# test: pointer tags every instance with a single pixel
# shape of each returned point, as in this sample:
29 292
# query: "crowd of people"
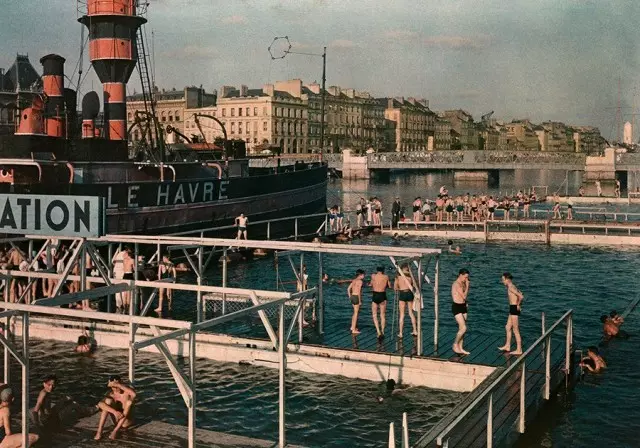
470 207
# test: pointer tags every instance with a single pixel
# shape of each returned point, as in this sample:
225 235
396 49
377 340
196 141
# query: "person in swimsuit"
452 250
598 188
354 292
556 211
379 284
569 212
581 191
439 209
593 362
403 284
396 208
473 204
119 404
459 293
449 210
127 268
617 189
166 269
526 206
609 327
506 205
515 297
7 438
241 222
491 208
459 209
417 205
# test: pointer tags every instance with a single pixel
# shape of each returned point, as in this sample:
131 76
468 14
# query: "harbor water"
325 411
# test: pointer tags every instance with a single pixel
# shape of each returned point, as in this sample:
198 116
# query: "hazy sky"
538 59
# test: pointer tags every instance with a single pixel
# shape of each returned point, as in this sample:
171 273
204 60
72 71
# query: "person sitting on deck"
593 362
119 404
47 415
456 251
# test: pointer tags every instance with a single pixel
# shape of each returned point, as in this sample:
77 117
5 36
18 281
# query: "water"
338 412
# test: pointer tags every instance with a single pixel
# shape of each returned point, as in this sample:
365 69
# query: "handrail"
266 221
485 393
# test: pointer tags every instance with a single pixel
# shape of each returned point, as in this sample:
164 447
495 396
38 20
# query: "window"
289 113
170 117
233 127
177 117
247 126
239 128
239 111
247 112
255 111
130 116
224 112
264 111
264 125
233 111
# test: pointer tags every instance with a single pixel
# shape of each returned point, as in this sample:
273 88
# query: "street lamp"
324 78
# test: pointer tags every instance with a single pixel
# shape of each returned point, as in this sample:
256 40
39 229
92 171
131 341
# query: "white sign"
72 216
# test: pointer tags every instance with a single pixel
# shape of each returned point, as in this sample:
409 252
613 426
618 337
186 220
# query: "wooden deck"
150 434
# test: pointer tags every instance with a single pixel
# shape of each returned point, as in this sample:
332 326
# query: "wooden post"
490 423
547 368
547 232
392 436
523 384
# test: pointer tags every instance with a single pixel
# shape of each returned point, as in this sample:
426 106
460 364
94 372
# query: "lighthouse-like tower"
113 25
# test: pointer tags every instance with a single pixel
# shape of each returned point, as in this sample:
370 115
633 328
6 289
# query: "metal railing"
590 213
519 367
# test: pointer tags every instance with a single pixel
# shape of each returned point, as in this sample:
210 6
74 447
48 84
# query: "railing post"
320 295
490 423
392 436
281 379
405 431
269 230
547 368
436 304
523 383
25 380
568 343
224 281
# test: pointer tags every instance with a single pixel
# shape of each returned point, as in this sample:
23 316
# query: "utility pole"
324 80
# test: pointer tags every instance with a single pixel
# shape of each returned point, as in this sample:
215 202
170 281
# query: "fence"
500 412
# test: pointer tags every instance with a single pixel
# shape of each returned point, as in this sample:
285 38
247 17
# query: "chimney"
268 89
90 110
314 87
53 88
424 102
226 90
244 90
351 93
334 90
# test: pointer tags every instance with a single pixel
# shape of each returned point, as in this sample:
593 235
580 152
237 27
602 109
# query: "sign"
71 216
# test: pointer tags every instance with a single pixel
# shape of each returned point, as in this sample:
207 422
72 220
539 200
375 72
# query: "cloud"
193 51
235 20
342 43
456 42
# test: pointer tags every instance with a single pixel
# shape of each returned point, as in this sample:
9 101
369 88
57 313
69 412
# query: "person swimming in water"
452 250
609 328
593 362
333 281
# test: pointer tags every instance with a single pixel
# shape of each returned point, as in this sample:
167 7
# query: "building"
18 85
414 123
521 136
261 117
442 135
462 122
588 139
488 138
171 107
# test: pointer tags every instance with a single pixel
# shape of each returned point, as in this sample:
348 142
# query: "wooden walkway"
150 434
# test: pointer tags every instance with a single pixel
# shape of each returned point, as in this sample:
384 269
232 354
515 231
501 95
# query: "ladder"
148 96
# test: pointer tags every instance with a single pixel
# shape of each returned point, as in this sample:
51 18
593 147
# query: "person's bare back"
380 282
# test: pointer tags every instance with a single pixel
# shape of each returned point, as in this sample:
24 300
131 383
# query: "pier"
275 338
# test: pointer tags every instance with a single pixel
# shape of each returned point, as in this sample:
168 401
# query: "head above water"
613 313
462 272
391 385
6 395
593 349
450 242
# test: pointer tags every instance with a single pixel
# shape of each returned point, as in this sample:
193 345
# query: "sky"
564 60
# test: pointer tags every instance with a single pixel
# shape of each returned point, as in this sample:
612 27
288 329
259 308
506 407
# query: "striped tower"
113 25
53 88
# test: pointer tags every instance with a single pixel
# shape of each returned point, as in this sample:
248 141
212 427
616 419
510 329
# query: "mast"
324 80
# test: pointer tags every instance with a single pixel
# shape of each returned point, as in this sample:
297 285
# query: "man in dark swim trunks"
379 284
459 293
515 300
354 292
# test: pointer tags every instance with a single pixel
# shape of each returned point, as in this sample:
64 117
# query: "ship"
54 150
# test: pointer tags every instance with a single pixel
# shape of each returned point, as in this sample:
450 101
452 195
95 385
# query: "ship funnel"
53 88
90 110
113 25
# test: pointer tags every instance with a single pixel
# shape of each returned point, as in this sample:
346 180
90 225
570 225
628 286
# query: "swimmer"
514 296
609 328
84 344
459 293
403 285
593 362
616 318
331 280
456 251
354 293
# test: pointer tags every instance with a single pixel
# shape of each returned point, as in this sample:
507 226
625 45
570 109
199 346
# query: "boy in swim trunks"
119 404
403 284
379 284
354 292
241 222
515 300
459 293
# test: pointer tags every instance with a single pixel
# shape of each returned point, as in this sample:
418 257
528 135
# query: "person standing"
395 213
403 284
166 270
354 292
515 297
379 284
417 205
459 293
241 223
598 188
617 188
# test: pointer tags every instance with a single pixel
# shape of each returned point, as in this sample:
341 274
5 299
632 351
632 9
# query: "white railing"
486 396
